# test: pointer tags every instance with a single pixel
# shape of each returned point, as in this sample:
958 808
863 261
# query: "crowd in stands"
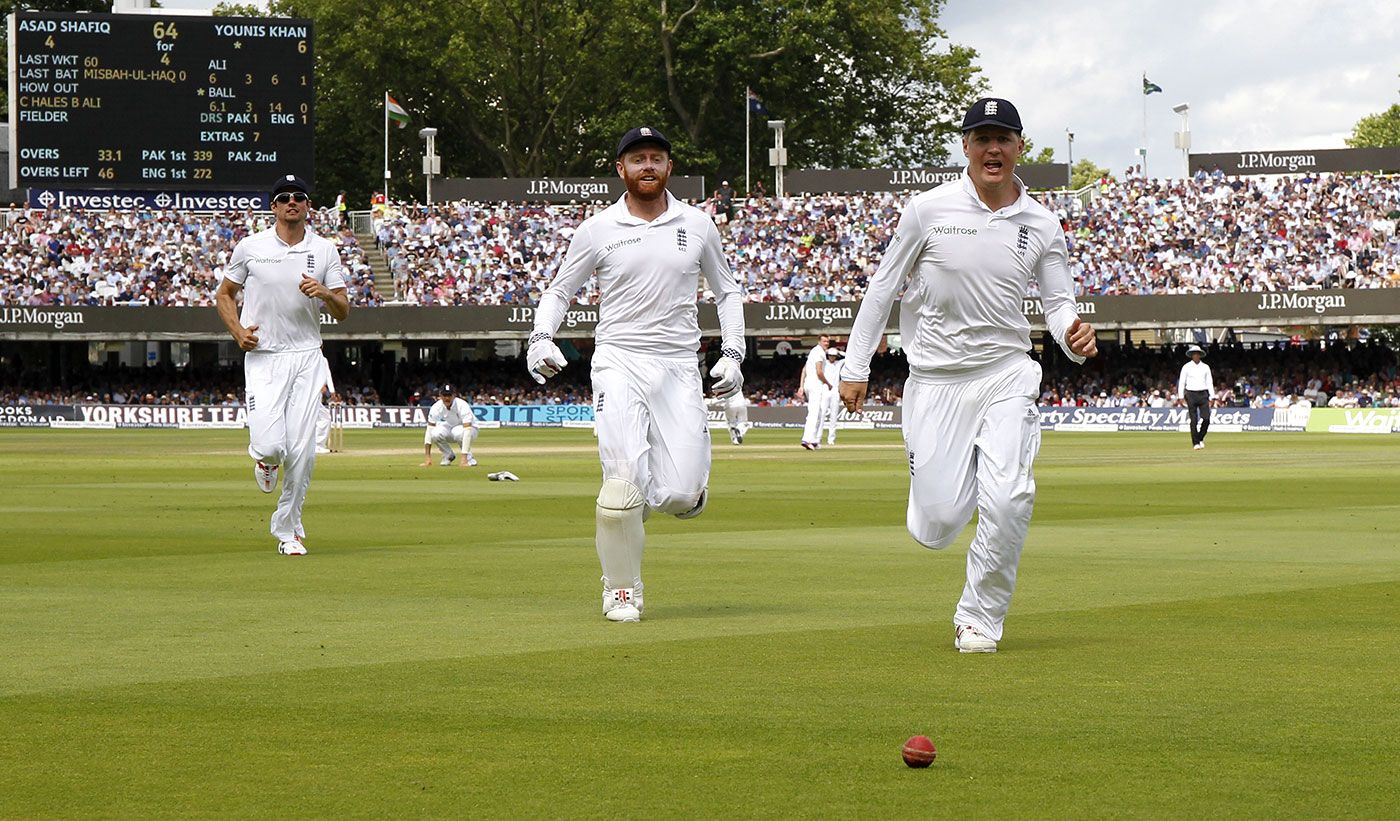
1135 236
74 257
1356 374
1212 234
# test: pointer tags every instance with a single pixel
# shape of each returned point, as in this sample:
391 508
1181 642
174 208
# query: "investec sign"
163 200
1292 162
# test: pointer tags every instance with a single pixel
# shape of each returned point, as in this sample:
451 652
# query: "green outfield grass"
1197 634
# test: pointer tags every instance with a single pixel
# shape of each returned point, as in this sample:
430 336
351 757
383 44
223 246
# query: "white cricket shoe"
970 640
448 459
292 548
699 506
622 605
471 461
266 476
1199 446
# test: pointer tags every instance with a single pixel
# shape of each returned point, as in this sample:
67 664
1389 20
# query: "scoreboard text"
151 102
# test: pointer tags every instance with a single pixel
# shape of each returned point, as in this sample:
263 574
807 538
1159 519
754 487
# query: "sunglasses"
287 196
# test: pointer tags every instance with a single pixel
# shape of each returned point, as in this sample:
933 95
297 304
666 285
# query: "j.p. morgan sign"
1295 162
552 189
855 180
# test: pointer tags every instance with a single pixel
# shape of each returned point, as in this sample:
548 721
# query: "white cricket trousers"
284 399
971 443
445 436
831 411
652 427
816 408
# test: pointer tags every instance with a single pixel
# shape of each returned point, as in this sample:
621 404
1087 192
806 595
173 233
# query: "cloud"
1275 75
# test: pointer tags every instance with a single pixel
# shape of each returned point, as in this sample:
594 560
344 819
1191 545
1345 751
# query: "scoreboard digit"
152 102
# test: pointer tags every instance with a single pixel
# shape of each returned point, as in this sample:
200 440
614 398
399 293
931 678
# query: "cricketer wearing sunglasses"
286 274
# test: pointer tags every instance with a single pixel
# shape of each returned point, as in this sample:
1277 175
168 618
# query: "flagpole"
748 118
1144 125
386 149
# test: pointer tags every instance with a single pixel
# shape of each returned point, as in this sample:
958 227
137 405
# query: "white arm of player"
729 295
1057 293
900 256
579 263
1181 384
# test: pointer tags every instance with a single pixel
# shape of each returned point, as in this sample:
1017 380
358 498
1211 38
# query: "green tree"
1085 172
1377 130
237 10
11 6
544 87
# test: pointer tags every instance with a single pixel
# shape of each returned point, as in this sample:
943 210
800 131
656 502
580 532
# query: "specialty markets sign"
1243 310
1238 163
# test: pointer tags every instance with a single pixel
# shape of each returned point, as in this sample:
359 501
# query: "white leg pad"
620 535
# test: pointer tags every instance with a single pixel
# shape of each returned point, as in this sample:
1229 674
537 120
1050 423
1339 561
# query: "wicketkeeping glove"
544 359
728 377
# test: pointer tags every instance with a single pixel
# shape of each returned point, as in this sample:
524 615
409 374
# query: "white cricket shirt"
270 272
809 368
460 413
968 269
1195 376
834 367
648 276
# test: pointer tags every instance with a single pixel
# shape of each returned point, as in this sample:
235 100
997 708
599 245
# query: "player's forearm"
338 304
549 314
227 307
730 307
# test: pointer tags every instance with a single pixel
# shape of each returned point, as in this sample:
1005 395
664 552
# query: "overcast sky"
1275 74
1278 74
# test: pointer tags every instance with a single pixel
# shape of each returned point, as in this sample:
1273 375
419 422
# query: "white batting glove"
544 359
729 378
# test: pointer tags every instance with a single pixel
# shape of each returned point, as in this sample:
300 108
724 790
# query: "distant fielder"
649 251
967 250
450 422
286 274
831 399
736 414
812 386
323 414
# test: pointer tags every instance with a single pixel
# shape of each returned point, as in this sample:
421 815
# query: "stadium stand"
1208 234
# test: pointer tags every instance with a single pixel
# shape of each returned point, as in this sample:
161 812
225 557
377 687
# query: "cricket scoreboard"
144 101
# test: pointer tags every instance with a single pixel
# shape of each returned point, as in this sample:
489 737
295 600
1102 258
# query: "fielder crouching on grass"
968 249
649 251
286 274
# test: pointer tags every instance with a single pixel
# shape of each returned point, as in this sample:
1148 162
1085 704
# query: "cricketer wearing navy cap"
992 111
642 134
290 182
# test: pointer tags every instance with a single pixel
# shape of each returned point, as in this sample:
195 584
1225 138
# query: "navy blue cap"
642 134
290 182
992 111
446 389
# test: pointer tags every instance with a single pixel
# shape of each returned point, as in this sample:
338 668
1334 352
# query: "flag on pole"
756 105
396 112
1149 87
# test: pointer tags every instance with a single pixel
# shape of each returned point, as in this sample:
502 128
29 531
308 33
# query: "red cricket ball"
918 751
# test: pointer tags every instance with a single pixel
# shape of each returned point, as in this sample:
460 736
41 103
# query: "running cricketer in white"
649 251
450 421
736 414
968 250
812 387
286 274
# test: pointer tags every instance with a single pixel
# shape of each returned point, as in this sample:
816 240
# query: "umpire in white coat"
967 251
